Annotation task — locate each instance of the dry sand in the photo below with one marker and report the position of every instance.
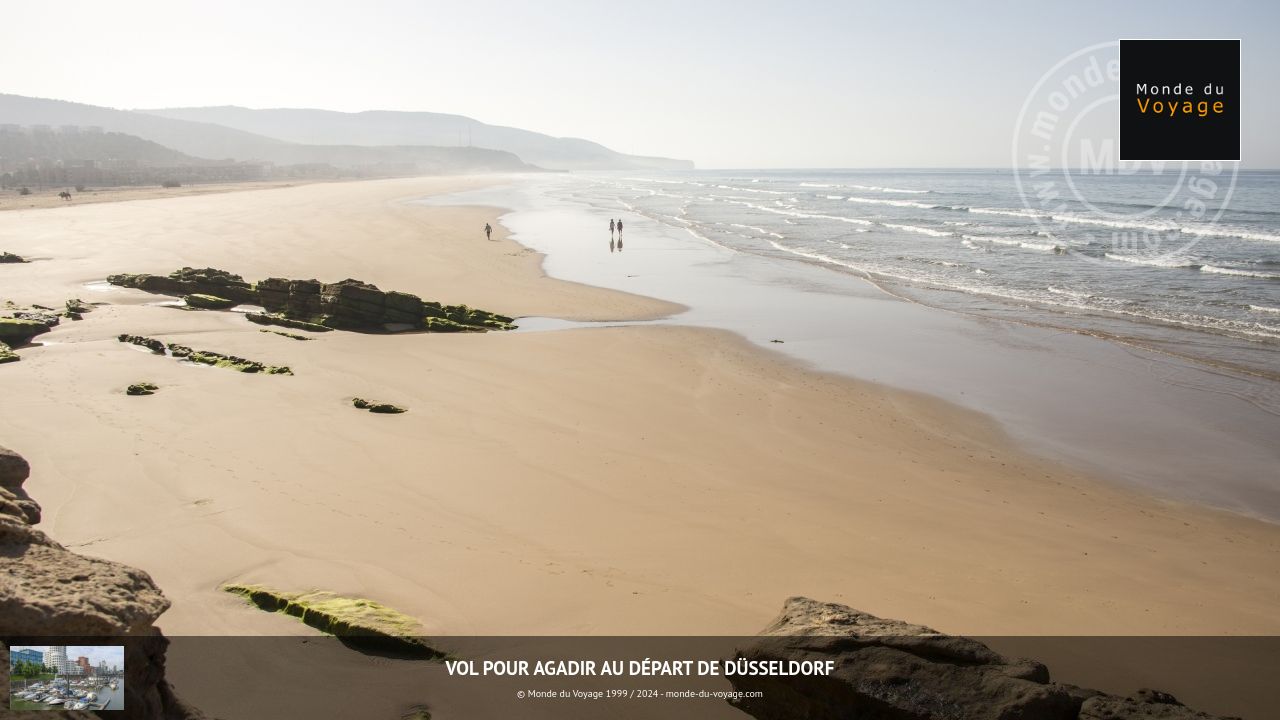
(40, 198)
(601, 481)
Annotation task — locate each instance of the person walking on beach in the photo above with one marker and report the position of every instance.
(488, 231)
(619, 228)
(611, 229)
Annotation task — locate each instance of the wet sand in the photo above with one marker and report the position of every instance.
(633, 480)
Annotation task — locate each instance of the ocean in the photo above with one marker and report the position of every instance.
(1116, 257)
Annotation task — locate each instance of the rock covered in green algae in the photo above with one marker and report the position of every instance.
(267, 319)
(8, 257)
(7, 355)
(358, 621)
(75, 309)
(208, 302)
(18, 331)
(142, 388)
(232, 362)
(377, 407)
(189, 281)
(151, 344)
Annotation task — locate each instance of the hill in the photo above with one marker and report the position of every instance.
(212, 141)
(383, 127)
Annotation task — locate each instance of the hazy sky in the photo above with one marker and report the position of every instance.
(724, 83)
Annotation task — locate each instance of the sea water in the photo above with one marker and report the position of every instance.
(1114, 258)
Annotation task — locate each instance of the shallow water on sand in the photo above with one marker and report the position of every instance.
(1173, 426)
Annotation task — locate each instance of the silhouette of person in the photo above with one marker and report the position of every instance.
(610, 228)
(619, 228)
(488, 231)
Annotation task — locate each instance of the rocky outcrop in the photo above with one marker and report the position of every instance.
(355, 305)
(19, 331)
(231, 362)
(313, 305)
(7, 355)
(8, 257)
(52, 593)
(151, 344)
(191, 281)
(377, 407)
(891, 670)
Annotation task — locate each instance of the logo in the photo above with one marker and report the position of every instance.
(1074, 183)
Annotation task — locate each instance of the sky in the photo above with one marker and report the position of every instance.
(724, 83)
(112, 654)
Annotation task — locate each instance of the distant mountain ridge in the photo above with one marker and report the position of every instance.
(386, 127)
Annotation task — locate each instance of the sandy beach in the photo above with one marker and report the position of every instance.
(631, 480)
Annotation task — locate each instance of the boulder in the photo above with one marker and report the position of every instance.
(892, 670)
(8, 257)
(14, 469)
(7, 355)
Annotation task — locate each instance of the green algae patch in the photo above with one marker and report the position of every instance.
(142, 388)
(208, 302)
(273, 319)
(7, 355)
(230, 362)
(281, 333)
(377, 407)
(360, 623)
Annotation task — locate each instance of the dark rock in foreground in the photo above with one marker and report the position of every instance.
(7, 355)
(891, 670)
(51, 592)
(8, 257)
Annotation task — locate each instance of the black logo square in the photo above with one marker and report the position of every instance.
(1179, 99)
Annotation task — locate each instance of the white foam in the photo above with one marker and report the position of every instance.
(918, 229)
(1239, 273)
(895, 203)
(1161, 261)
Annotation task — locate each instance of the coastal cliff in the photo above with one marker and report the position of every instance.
(50, 593)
